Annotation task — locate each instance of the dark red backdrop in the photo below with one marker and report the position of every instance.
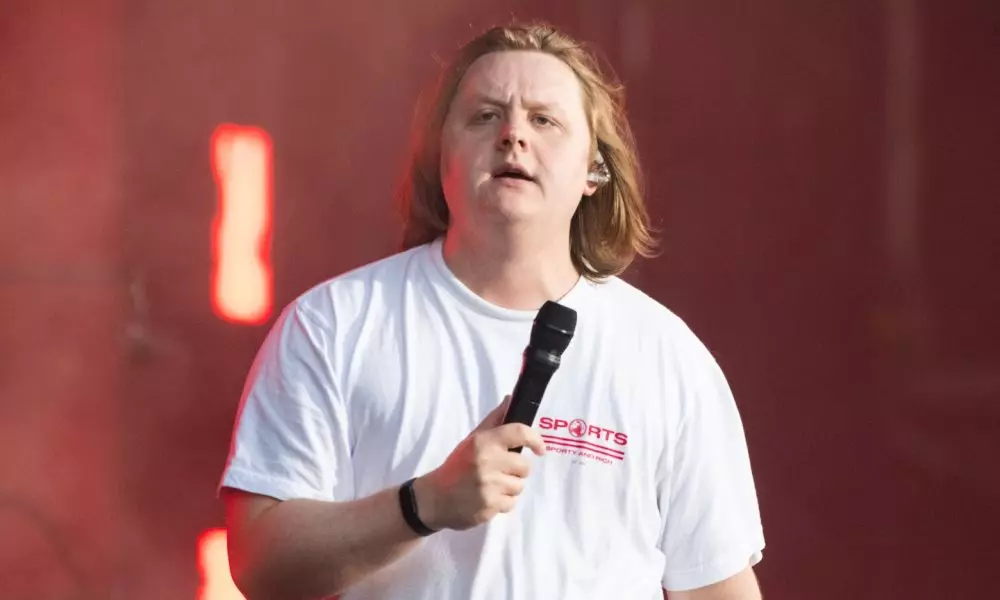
(824, 175)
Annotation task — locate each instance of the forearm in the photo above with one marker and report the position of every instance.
(306, 549)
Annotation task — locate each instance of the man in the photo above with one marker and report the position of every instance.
(369, 457)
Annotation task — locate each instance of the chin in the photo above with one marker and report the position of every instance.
(513, 207)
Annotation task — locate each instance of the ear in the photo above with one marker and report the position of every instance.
(598, 175)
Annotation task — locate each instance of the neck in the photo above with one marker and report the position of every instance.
(511, 270)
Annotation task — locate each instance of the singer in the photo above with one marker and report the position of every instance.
(371, 457)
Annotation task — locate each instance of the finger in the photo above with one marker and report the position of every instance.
(514, 465)
(504, 504)
(511, 435)
(509, 485)
(495, 418)
(536, 443)
(515, 435)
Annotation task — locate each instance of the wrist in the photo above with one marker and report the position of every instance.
(423, 491)
(414, 502)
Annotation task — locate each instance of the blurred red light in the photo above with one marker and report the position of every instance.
(241, 234)
(213, 563)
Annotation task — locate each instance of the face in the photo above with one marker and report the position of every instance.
(516, 144)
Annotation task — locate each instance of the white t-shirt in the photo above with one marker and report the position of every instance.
(375, 376)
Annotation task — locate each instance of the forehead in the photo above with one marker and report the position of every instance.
(522, 77)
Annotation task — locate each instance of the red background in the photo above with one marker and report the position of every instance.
(824, 176)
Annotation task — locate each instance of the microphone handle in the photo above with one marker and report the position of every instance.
(536, 371)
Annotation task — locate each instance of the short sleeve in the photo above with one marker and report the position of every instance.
(290, 439)
(711, 520)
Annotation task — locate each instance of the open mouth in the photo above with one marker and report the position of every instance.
(512, 173)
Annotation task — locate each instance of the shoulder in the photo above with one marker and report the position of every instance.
(634, 312)
(649, 334)
(352, 294)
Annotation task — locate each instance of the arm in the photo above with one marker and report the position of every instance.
(742, 586)
(291, 443)
(303, 549)
(712, 534)
(306, 549)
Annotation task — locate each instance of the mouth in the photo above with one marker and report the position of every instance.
(512, 172)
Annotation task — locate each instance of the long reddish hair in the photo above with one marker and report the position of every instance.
(610, 227)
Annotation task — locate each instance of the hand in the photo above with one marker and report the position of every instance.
(481, 477)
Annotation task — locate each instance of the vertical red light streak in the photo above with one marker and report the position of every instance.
(241, 235)
(213, 564)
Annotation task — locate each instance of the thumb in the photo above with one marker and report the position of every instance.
(495, 418)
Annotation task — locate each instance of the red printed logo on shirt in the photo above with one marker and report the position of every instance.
(578, 438)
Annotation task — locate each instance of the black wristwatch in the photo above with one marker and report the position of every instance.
(408, 503)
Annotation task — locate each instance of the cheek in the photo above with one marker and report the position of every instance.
(453, 156)
(447, 151)
(569, 167)
(459, 170)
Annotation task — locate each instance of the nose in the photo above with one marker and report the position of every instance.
(511, 136)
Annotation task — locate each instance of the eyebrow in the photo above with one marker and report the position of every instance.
(490, 100)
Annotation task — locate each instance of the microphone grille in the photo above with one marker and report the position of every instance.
(554, 327)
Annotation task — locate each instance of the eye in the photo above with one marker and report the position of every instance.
(542, 121)
(485, 116)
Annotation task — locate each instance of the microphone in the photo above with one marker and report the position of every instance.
(550, 336)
